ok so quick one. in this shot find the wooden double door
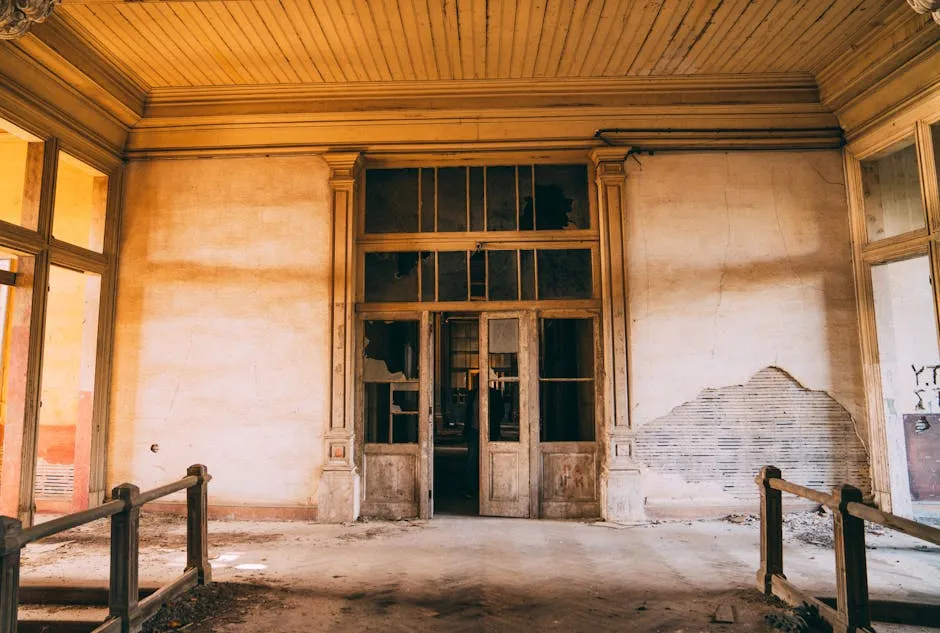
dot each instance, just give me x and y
(475, 377)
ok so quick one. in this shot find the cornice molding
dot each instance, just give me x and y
(479, 94)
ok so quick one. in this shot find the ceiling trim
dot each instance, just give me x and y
(497, 94)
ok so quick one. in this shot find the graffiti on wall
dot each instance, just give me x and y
(926, 387)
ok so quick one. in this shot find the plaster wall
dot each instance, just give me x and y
(222, 343)
(738, 262)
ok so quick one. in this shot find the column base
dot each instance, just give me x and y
(338, 496)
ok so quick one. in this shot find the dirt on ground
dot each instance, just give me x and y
(207, 607)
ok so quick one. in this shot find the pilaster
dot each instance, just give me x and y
(621, 493)
(338, 495)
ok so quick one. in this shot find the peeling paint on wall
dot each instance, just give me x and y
(725, 435)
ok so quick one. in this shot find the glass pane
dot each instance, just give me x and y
(567, 411)
(377, 414)
(478, 275)
(527, 270)
(390, 351)
(405, 429)
(67, 391)
(501, 198)
(504, 411)
(21, 162)
(910, 365)
(452, 199)
(428, 196)
(391, 277)
(428, 277)
(452, 276)
(565, 274)
(891, 187)
(392, 201)
(15, 310)
(561, 197)
(477, 198)
(502, 276)
(503, 348)
(460, 363)
(526, 198)
(566, 348)
(81, 202)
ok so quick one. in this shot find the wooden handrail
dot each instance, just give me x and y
(126, 612)
(852, 612)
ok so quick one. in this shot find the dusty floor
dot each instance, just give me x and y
(479, 574)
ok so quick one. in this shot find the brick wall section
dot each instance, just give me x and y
(727, 434)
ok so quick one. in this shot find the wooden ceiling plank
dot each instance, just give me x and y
(442, 48)
(131, 51)
(648, 15)
(297, 30)
(839, 36)
(751, 41)
(221, 71)
(724, 20)
(663, 28)
(209, 14)
(425, 38)
(370, 34)
(397, 59)
(750, 18)
(464, 36)
(235, 19)
(560, 37)
(530, 47)
(478, 26)
(275, 18)
(81, 23)
(494, 36)
(521, 38)
(780, 25)
(590, 25)
(320, 32)
(501, 44)
(678, 47)
(627, 37)
(810, 14)
(268, 44)
(410, 40)
(801, 47)
(168, 47)
(604, 44)
(573, 34)
(353, 49)
(452, 39)
(308, 30)
(547, 31)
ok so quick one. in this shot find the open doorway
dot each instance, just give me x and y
(456, 421)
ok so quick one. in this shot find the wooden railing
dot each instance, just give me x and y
(126, 611)
(852, 611)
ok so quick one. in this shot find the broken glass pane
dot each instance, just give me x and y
(390, 351)
(391, 277)
(504, 411)
(391, 201)
(503, 345)
(428, 195)
(501, 198)
(527, 269)
(564, 274)
(428, 279)
(405, 429)
(452, 199)
(376, 414)
(477, 199)
(452, 276)
(502, 276)
(561, 197)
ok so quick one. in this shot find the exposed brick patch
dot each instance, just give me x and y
(725, 435)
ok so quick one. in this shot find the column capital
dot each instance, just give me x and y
(609, 161)
(344, 167)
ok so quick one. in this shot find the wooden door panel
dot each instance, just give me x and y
(391, 489)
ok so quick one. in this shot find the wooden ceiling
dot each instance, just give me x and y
(170, 43)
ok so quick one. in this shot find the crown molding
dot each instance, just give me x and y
(165, 103)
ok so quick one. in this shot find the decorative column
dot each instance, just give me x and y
(621, 493)
(338, 495)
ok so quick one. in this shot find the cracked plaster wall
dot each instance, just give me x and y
(737, 261)
(222, 345)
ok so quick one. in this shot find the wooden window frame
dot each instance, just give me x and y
(925, 241)
(49, 251)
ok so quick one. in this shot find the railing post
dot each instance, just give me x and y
(851, 566)
(771, 530)
(124, 593)
(197, 529)
(9, 572)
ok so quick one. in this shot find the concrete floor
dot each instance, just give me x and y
(480, 574)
